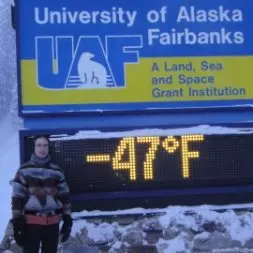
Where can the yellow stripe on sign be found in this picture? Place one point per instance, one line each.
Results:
(155, 80)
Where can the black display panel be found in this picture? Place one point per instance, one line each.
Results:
(154, 162)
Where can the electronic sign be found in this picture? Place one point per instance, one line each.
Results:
(153, 162)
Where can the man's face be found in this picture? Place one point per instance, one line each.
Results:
(41, 149)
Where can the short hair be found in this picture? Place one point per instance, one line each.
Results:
(41, 136)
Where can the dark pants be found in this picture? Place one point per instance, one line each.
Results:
(45, 237)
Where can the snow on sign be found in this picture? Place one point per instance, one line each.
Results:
(119, 56)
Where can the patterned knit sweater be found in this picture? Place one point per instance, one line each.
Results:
(39, 186)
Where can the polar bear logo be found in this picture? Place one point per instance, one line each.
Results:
(91, 73)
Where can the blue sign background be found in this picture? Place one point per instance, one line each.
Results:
(28, 30)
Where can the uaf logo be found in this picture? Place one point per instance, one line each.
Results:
(63, 63)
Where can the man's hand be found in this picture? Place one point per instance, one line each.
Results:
(19, 227)
(66, 228)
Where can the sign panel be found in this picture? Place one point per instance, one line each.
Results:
(153, 162)
(118, 56)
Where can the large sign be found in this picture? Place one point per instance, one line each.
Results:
(131, 55)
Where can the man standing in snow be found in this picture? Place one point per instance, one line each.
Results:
(40, 199)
